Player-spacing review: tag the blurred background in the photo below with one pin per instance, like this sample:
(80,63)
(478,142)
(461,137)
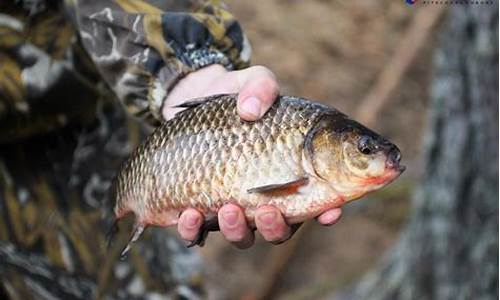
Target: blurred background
(374,61)
(422,73)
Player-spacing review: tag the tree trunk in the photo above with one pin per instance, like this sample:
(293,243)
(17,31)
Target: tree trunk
(449,249)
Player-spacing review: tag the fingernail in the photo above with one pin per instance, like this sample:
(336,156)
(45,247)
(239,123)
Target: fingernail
(251,107)
(192,221)
(268,218)
(230,218)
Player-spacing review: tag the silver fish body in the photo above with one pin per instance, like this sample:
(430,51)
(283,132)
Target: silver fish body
(207,156)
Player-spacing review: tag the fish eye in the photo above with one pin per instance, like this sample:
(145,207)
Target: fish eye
(366,145)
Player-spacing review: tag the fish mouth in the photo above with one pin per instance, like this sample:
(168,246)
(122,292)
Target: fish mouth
(393,160)
(394,170)
(390,174)
(398,169)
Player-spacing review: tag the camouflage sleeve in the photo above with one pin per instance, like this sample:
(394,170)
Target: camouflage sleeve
(143,48)
(46,79)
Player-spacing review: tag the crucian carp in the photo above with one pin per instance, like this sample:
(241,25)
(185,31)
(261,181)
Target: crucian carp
(301,157)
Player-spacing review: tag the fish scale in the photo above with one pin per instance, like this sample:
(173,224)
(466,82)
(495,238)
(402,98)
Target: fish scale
(181,142)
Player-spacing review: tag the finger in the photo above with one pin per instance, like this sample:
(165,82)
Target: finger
(233,225)
(330,217)
(293,229)
(271,224)
(258,91)
(189,224)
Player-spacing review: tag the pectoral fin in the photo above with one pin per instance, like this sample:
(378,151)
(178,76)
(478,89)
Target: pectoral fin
(280,188)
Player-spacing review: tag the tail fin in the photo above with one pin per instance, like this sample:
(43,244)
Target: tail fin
(118,213)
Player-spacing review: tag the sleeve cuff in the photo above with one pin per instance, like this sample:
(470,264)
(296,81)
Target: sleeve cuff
(173,71)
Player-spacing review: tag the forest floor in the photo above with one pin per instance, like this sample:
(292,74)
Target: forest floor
(333,52)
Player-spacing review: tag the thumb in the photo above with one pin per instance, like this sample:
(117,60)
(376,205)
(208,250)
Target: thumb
(258,91)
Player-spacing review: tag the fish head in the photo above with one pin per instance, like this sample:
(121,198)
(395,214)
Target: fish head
(352,158)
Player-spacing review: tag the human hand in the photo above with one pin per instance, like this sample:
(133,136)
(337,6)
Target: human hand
(257,89)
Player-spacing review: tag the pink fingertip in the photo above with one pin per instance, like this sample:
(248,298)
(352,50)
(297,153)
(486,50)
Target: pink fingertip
(330,217)
(189,224)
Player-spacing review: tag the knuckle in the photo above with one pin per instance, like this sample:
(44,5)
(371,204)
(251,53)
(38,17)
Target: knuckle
(264,72)
(269,78)
(271,85)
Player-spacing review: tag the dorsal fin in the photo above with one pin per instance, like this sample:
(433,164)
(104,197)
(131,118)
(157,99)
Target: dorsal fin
(199,101)
(192,103)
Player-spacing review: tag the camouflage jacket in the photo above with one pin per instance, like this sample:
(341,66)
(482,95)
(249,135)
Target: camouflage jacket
(65,68)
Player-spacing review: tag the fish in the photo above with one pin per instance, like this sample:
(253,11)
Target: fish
(302,157)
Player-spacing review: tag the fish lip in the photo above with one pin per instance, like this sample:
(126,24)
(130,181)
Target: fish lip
(394,164)
(399,169)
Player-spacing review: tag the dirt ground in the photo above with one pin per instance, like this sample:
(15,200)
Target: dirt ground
(331,51)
